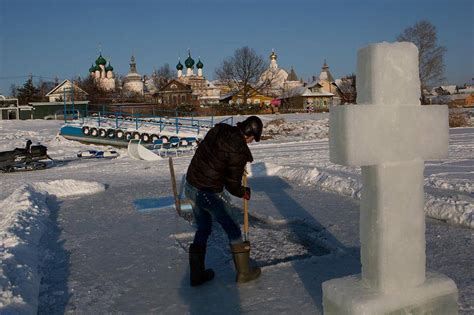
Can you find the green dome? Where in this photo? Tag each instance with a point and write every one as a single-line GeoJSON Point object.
{"type": "Point", "coordinates": [179, 66]}
{"type": "Point", "coordinates": [101, 60]}
{"type": "Point", "coordinates": [189, 62]}
{"type": "Point", "coordinates": [199, 65]}
{"type": "Point", "coordinates": [92, 68]}
{"type": "Point", "coordinates": [109, 68]}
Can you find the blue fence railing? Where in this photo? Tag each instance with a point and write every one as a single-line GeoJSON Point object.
{"type": "Point", "coordinates": [125, 120]}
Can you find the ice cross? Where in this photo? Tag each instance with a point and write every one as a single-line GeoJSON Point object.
{"type": "Point", "coordinates": [390, 135]}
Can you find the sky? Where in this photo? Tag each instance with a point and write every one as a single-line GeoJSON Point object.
{"type": "Point", "coordinates": [63, 38]}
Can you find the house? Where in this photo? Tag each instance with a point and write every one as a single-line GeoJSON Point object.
{"type": "Point", "coordinates": [254, 98]}
{"type": "Point", "coordinates": [176, 93]}
{"type": "Point", "coordinates": [63, 90]}
{"type": "Point", "coordinates": [66, 94]}
{"type": "Point", "coordinates": [461, 100]}
{"type": "Point", "coordinates": [311, 97]}
{"type": "Point", "coordinates": [10, 109]}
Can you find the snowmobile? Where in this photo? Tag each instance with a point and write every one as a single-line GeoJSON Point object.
{"type": "Point", "coordinates": [24, 159]}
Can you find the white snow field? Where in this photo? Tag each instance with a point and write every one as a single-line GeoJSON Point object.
{"type": "Point", "coordinates": [72, 242]}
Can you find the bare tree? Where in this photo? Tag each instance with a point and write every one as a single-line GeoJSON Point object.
{"type": "Point", "coordinates": [96, 95]}
{"type": "Point", "coordinates": [242, 73]}
{"type": "Point", "coordinates": [347, 89]}
{"type": "Point", "coordinates": [162, 76]}
{"type": "Point", "coordinates": [423, 34]}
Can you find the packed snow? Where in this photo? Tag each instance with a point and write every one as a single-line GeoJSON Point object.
{"type": "Point", "coordinates": [23, 220]}
{"type": "Point", "coordinates": [64, 252]}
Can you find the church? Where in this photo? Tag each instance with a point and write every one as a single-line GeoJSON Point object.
{"type": "Point", "coordinates": [132, 82]}
{"type": "Point", "coordinates": [278, 79]}
{"type": "Point", "coordinates": [315, 96]}
{"type": "Point", "coordinates": [206, 92]}
{"type": "Point", "coordinates": [103, 75]}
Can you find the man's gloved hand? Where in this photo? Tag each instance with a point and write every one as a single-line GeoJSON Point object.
{"type": "Point", "coordinates": [247, 193]}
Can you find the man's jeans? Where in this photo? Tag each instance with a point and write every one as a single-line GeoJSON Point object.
{"type": "Point", "coordinates": [208, 205]}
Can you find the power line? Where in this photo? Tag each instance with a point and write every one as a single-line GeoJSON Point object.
{"type": "Point", "coordinates": [26, 76]}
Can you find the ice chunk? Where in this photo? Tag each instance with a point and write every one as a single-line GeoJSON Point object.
{"type": "Point", "coordinates": [350, 295]}
{"type": "Point", "coordinates": [387, 74]}
{"type": "Point", "coordinates": [368, 135]}
{"type": "Point", "coordinates": [390, 140]}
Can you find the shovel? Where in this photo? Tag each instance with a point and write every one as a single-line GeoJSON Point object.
{"type": "Point", "coordinates": [246, 211]}
{"type": "Point", "coordinates": [183, 206]}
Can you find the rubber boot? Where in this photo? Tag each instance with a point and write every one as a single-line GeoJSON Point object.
{"type": "Point", "coordinates": [241, 255]}
{"type": "Point", "coordinates": [199, 274]}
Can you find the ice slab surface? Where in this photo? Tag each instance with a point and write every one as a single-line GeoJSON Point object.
{"type": "Point", "coordinates": [369, 135]}
{"type": "Point", "coordinates": [350, 295]}
{"type": "Point", "coordinates": [387, 74]}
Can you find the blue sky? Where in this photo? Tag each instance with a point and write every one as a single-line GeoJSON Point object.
{"type": "Point", "coordinates": [61, 38]}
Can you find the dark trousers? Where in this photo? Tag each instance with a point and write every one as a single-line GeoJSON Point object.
{"type": "Point", "coordinates": [209, 205]}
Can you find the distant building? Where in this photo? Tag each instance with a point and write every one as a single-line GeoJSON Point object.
{"type": "Point", "coordinates": [103, 75]}
{"type": "Point", "coordinates": [315, 96]}
{"type": "Point", "coordinates": [205, 91]}
{"type": "Point", "coordinates": [452, 96]}
{"type": "Point", "coordinates": [326, 79]}
{"type": "Point", "coordinates": [275, 76]}
{"type": "Point", "coordinates": [176, 93]}
{"type": "Point", "coordinates": [10, 109]}
{"type": "Point", "coordinates": [292, 80]}
{"type": "Point", "coordinates": [311, 97]}
{"type": "Point", "coordinates": [132, 82]}
{"type": "Point", "coordinates": [255, 98]}
{"type": "Point", "coordinates": [63, 91]}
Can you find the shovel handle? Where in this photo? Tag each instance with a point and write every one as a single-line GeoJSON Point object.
{"type": "Point", "coordinates": [177, 202]}
{"type": "Point", "coordinates": [246, 210]}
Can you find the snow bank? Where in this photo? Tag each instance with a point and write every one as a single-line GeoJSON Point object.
{"type": "Point", "coordinates": [457, 185]}
{"type": "Point", "coordinates": [23, 219]}
{"type": "Point", "coordinates": [310, 176]}
{"type": "Point", "coordinates": [69, 187]}
{"type": "Point", "coordinates": [457, 209]}
{"type": "Point", "coordinates": [306, 129]}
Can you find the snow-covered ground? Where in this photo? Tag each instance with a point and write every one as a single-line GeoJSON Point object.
{"type": "Point", "coordinates": [72, 241]}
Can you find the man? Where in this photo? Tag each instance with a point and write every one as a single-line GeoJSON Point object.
{"type": "Point", "coordinates": [219, 163]}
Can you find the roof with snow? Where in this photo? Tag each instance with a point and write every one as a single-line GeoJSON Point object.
{"type": "Point", "coordinates": [59, 89]}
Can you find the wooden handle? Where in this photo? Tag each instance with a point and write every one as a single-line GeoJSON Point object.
{"type": "Point", "coordinates": [246, 210]}
{"type": "Point", "coordinates": [177, 202]}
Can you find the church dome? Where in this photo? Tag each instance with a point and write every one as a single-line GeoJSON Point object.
{"type": "Point", "coordinates": [109, 68]}
{"type": "Point", "coordinates": [189, 62]}
{"type": "Point", "coordinates": [199, 65]}
{"type": "Point", "coordinates": [273, 56]}
{"type": "Point", "coordinates": [179, 66]}
{"type": "Point", "coordinates": [101, 60]}
{"type": "Point", "coordinates": [92, 68]}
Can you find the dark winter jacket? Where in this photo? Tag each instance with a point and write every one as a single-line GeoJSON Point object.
{"type": "Point", "coordinates": [220, 160]}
